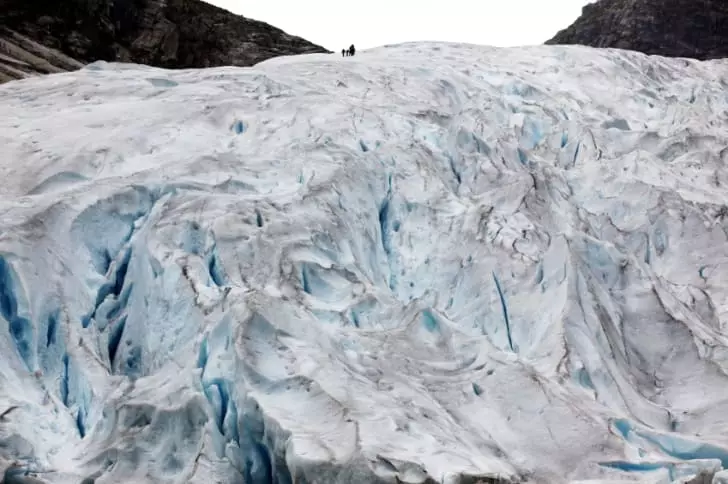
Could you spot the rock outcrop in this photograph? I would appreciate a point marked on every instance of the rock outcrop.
(675, 28)
(38, 36)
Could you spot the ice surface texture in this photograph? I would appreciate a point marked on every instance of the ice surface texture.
(427, 263)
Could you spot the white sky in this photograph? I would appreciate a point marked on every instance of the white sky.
(371, 23)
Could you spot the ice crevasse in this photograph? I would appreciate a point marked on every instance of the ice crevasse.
(429, 263)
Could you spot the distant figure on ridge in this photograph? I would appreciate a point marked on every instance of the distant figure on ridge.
(352, 50)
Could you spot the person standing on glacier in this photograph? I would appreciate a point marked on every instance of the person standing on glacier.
(352, 50)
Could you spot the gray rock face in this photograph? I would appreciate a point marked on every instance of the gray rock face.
(38, 36)
(676, 28)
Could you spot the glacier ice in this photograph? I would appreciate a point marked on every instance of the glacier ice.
(429, 263)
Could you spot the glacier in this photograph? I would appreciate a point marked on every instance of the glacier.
(429, 263)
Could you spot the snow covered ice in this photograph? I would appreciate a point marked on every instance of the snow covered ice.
(430, 263)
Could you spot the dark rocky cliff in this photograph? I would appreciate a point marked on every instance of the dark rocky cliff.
(671, 28)
(43, 36)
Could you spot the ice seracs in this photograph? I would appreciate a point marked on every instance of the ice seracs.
(429, 263)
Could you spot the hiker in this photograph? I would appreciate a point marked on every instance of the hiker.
(343, 52)
(352, 50)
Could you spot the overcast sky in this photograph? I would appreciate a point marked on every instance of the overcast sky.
(371, 23)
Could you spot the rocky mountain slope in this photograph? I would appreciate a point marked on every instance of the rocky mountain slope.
(38, 37)
(678, 28)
